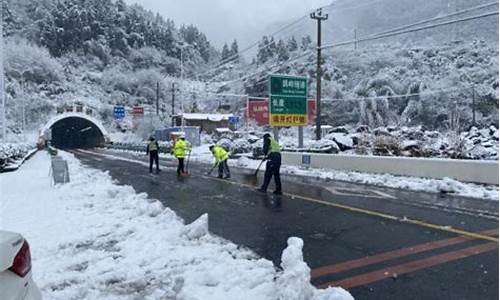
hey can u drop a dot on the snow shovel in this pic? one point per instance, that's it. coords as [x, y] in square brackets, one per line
[252, 178]
[211, 170]
[187, 163]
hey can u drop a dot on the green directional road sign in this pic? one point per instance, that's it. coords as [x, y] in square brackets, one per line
[288, 100]
[288, 85]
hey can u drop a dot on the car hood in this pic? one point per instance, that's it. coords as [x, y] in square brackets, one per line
[10, 243]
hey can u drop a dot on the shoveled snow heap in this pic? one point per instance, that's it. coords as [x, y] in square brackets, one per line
[93, 239]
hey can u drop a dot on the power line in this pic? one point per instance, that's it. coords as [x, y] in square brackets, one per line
[269, 44]
[440, 17]
[278, 64]
[423, 93]
[286, 27]
[381, 35]
[371, 37]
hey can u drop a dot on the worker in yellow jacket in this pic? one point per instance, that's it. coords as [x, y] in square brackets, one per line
[180, 150]
[221, 157]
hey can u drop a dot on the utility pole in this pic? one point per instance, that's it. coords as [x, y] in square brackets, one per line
[355, 39]
[473, 105]
[157, 98]
[23, 106]
[173, 104]
[318, 16]
[2, 91]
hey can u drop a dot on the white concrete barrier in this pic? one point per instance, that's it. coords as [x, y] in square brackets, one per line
[459, 169]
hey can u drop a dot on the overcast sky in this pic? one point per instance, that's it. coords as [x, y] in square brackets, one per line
[225, 20]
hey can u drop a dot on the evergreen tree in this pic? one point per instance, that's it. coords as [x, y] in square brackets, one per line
[306, 42]
[234, 50]
[225, 52]
[282, 51]
[292, 44]
[272, 48]
[263, 53]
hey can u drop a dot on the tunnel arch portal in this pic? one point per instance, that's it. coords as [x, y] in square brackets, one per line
[75, 130]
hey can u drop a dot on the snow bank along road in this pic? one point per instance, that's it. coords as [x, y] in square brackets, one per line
[378, 244]
[93, 239]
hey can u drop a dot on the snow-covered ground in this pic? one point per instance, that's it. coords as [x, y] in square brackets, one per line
[445, 185]
[12, 155]
[94, 239]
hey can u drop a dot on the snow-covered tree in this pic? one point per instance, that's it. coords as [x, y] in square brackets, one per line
[292, 44]
[234, 50]
[306, 42]
[225, 52]
[282, 51]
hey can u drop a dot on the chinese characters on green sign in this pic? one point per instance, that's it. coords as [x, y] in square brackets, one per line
[288, 100]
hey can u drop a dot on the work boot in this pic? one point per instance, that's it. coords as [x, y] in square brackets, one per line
[220, 176]
[261, 190]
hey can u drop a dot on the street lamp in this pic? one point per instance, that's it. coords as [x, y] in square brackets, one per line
[2, 90]
[182, 46]
[21, 76]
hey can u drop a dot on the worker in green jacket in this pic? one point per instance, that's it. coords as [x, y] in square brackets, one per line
[180, 150]
[272, 152]
[221, 157]
[152, 150]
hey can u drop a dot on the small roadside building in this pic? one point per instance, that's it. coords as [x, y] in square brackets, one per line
[207, 122]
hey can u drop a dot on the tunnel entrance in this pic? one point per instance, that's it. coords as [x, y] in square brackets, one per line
[75, 132]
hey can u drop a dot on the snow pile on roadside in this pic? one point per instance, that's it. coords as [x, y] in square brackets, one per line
[12, 154]
[445, 185]
[94, 239]
[296, 272]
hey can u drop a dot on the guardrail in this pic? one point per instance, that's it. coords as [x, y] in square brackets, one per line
[135, 147]
[485, 172]
[14, 162]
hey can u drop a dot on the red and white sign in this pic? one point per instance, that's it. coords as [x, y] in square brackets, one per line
[137, 110]
[311, 111]
[258, 110]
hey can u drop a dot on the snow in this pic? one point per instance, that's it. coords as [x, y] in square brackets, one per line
[210, 117]
[445, 185]
[12, 155]
[94, 239]
[65, 115]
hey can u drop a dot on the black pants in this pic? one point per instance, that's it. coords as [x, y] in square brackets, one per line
[153, 157]
[224, 169]
[180, 166]
[273, 169]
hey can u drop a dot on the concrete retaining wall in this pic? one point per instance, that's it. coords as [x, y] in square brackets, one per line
[462, 170]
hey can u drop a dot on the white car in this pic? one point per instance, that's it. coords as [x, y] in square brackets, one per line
[16, 282]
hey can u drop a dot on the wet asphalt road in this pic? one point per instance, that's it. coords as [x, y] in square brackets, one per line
[447, 266]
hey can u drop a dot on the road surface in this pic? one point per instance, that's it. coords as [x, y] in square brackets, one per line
[377, 243]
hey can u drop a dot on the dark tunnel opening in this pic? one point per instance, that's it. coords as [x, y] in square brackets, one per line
[74, 132]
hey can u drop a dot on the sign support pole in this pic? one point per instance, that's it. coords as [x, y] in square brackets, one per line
[301, 136]
[318, 16]
[276, 133]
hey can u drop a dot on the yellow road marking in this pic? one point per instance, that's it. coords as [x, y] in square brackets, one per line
[378, 214]
[361, 210]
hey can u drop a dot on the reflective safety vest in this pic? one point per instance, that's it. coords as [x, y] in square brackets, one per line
[180, 148]
[275, 147]
[220, 154]
[153, 146]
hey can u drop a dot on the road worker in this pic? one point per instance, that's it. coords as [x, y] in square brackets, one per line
[152, 149]
[272, 152]
[180, 150]
[221, 157]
